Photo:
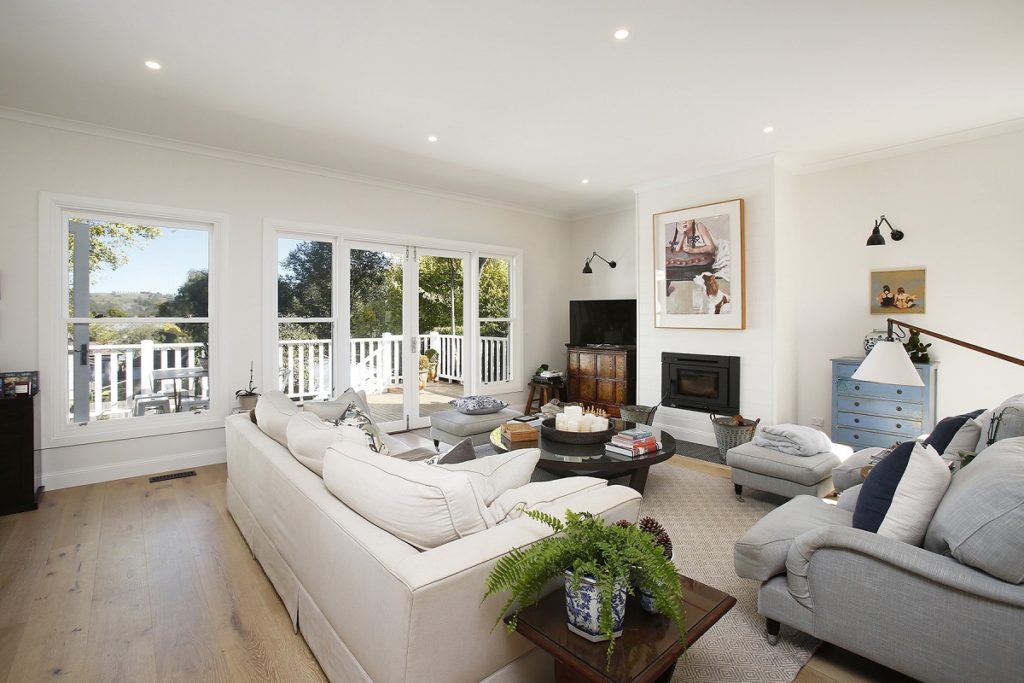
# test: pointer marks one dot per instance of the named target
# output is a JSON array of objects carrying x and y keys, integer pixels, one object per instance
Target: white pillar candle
[
  {"x": 574, "y": 411},
  {"x": 572, "y": 424},
  {"x": 561, "y": 421}
]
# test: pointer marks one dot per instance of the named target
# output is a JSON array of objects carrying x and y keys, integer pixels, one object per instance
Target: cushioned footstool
[
  {"x": 451, "y": 426},
  {"x": 787, "y": 475}
]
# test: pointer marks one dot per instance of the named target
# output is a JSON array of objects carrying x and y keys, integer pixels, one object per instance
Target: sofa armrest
[{"x": 929, "y": 566}]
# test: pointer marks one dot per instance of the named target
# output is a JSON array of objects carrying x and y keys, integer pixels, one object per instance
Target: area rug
[{"x": 704, "y": 519}]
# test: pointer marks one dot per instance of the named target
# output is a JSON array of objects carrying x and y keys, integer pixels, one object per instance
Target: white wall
[
  {"x": 960, "y": 207},
  {"x": 34, "y": 158},
  {"x": 613, "y": 236},
  {"x": 755, "y": 344}
]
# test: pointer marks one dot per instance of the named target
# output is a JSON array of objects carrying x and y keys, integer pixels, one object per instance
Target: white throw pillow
[
  {"x": 273, "y": 410},
  {"x": 966, "y": 438},
  {"x": 511, "y": 503},
  {"x": 424, "y": 505},
  {"x": 917, "y": 496},
  {"x": 309, "y": 437},
  {"x": 326, "y": 410},
  {"x": 492, "y": 475}
]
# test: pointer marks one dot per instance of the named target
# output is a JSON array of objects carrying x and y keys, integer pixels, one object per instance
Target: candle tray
[{"x": 548, "y": 431}]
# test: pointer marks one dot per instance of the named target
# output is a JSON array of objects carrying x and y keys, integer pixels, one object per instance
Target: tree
[
  {"x": 441, "y": 288},
  {"x": 192, "y": 299},
  {"x": 108, "y": 242},
  {"x": 495, "y": 300}
]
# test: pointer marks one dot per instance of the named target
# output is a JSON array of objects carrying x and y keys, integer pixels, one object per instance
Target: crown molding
[
  {"x": 924, "y": 144},
  {"x": 97, "y": 130}
]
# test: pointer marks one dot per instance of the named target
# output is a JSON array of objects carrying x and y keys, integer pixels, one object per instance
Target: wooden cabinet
[
  {"x": 868, "y": 414},
  {"x": 602, "y": 377},
  {"x": 20, "y": 474}
]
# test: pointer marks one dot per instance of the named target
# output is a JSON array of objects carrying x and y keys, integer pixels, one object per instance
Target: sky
[{"x": 157, "y": 265}]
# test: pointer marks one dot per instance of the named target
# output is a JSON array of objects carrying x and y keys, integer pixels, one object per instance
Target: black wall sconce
[
  {"x": 876, "y": 238},
  {"x": 586, "y": 266}
]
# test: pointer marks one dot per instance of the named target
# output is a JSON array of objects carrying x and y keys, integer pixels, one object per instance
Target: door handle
[{"x": 83, "y": 358}]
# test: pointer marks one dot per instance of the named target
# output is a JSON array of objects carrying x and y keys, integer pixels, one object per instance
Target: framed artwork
[
  {"x": 698, "y": 267},
  {"x": 898, "y": 291}
]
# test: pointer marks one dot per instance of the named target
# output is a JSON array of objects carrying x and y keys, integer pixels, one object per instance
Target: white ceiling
[{"x": 527, "y": 97}]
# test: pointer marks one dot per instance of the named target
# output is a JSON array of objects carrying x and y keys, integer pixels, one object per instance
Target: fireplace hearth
[{"x": 705, "y": 383}]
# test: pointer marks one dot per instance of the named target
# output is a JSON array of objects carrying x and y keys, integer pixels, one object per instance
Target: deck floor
[{"x": 387, "y": 407}]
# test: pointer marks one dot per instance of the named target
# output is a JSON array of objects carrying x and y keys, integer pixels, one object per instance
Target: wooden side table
[
  {"x": 541, "y": 393},
  {"x": 647, "y": 650}
]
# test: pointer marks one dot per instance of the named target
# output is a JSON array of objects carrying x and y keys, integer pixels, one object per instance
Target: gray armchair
[{"x": 930, "y": 615}]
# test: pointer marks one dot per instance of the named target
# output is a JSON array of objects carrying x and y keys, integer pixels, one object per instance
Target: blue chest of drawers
[{"x": 869, "y": 414}]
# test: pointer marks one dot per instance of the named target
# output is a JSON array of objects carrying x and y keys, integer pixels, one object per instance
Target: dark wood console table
[{"x": 20, "y": 472}]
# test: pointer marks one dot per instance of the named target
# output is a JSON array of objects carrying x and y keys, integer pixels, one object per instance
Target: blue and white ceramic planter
[{"x": 582, "y": 608}]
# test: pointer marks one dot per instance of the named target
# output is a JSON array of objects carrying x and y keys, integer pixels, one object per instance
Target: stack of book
[
  {"x": 632, "y": 443},
  {"x": 532, "y": 420}
]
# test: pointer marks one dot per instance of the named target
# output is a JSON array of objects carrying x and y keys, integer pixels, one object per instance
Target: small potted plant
[
  {"x": 431, "y": 355},
  {"x": 247, "y": 397},
  {"x": 424, "y": 369},
  {"x": 600, "y": 561}
]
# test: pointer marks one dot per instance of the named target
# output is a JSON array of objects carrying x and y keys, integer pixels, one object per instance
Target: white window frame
[
  {"x": 343, "y": 237},
  {"x": 57, "y": 431}
]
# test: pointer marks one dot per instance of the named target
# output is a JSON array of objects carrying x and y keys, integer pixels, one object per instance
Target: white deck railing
[{"x": 119, "y": 372}]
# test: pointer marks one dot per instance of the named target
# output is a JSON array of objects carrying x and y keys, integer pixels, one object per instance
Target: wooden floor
[{"x": 132, "y": 581}]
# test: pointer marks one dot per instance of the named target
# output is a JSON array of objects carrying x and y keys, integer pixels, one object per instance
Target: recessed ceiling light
[
  {"x": 768, "y": 129},
  {"x": 621, "y": 34},
  {"x": 585, "y": 181},
  {"x": 155, "y": 66},
  {"x": 431, "y": 138}
]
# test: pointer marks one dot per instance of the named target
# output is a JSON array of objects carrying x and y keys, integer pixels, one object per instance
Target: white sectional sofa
[{"x": 371, "y": 606}]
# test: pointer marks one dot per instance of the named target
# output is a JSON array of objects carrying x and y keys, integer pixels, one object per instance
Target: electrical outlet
[{"x": 817, "y": 422}]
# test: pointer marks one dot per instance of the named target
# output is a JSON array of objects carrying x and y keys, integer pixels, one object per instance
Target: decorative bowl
[{"x": 548, "y": 431}]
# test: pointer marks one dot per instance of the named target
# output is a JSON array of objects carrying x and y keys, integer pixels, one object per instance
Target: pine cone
[
  {"x": 624, "y": 523},
  {"x": 665, "y": 542},
  {"x": 651, "y": 526}
]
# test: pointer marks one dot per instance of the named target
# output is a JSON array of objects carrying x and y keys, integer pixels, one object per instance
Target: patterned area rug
[{"x": 704, "y": 520}]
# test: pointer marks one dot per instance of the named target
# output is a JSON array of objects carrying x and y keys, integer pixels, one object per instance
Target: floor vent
[{"x": 174, "y": 475}]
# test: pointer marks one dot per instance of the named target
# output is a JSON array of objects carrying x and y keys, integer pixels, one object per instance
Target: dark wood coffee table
[
  {"x": 590, "y": 459},
  {"x": 647, "y": 650}
]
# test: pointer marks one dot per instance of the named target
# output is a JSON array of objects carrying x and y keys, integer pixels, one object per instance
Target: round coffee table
[{"x": 590, "y": 459}]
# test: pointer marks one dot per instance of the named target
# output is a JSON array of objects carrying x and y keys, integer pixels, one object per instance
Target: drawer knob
[
  {"x": 856, "y": 387},
  {"x": 856, "y": 403},
  {"x": 899, "y": 426},
  {"x": 856, "y": 436},
  {"x": 899, "y": 409},
  {"x": 856, "y": 420},
  {"x": 899, "y": 391}
]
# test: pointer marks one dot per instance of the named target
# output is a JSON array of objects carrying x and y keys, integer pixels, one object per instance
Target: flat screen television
[{"x": 607, "y": 321}]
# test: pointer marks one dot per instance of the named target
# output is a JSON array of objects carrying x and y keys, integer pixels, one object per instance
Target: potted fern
[{"x": 599, "y": 562}]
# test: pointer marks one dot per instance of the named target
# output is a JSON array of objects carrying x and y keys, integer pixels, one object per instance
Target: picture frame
[
  {"x": 898, "y": 290},
  {"x": 699, "y": 267}
]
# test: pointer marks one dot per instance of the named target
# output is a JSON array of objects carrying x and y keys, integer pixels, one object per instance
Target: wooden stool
[{"x": 542, "y": 393}]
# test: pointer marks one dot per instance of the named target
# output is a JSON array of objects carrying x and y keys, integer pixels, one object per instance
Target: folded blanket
[{"x": 793, "y": 439}]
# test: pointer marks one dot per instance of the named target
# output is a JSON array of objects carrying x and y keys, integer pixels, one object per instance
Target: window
[
  {"x": 128, "y": 349},
  {"x": 495, "y": 319},
  {"x": 305, "y": 317}
]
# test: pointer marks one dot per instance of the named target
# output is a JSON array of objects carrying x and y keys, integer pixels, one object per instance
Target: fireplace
[{"x": 709, "y": 384}]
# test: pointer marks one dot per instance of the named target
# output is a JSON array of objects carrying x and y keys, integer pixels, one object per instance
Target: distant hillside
[{"x": 126, "y": 304}]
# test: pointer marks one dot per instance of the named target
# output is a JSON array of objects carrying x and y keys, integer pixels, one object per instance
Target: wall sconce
[
  {"x": 876, "y": 238},
  {"x": 586, "y": 266}
]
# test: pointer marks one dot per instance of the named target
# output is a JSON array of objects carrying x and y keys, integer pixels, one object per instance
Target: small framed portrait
[{"x": 898, "y": 291}]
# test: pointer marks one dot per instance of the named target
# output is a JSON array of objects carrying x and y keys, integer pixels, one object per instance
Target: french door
[{"x": 405, "y": 338}]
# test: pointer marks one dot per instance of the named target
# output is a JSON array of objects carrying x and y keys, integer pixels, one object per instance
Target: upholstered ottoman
[
  {"x": 787, "y": 475},
  {"x": 451, "y": 426}
]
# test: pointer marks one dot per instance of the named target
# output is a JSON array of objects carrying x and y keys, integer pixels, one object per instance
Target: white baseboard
[
  {"x": 688, "y": 434},
  {"x": 132, "y": 468}
]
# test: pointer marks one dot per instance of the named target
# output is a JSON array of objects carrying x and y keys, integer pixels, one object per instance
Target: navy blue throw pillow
[
  {"x": 878, "y": 489},
  {"x": 946, "y": 429}
]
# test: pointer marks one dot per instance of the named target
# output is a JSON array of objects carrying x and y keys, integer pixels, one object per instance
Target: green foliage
[
  {"x": 586, "y": 545},
  {"x": 108, "y": 242},
  {"x": 130, "y": 304},
  {"x": 441, "y": 289},
  {"x": 494, "y": 297},
  {"x": 917, "y": 350},
  {"x": 192, "y": 299}
]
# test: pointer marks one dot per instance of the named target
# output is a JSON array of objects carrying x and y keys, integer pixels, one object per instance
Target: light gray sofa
[{"x": 950, "y": 611}]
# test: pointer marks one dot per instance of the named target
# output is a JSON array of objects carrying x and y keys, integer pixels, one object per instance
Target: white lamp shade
[{"x": 888, "y": 363}]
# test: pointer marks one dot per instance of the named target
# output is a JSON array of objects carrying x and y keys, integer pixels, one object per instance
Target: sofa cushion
[
  {"x": 424, "y": 505},
  {"x": 273, "y": 410},
  {"x": 330, "y": 411},
  {"x": 901, "y": 493},
  {"x": 805, "y": 470},
  {"x": 965, "y": 439},
  {"x": 492, "y": 475},
  {"x": 309, "y": 438},
  {"x": 848, "y": 474},
  {"x": 477, "y": 405},
  {"x": 511, "y": 504},
  {"x": 761, "y": 552},
  {"x": 985, "y": 421},
  {"x": 354, "y": 416},
  {"x": 947, "y": 428},
  {"x": 980, "y": 519}
]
